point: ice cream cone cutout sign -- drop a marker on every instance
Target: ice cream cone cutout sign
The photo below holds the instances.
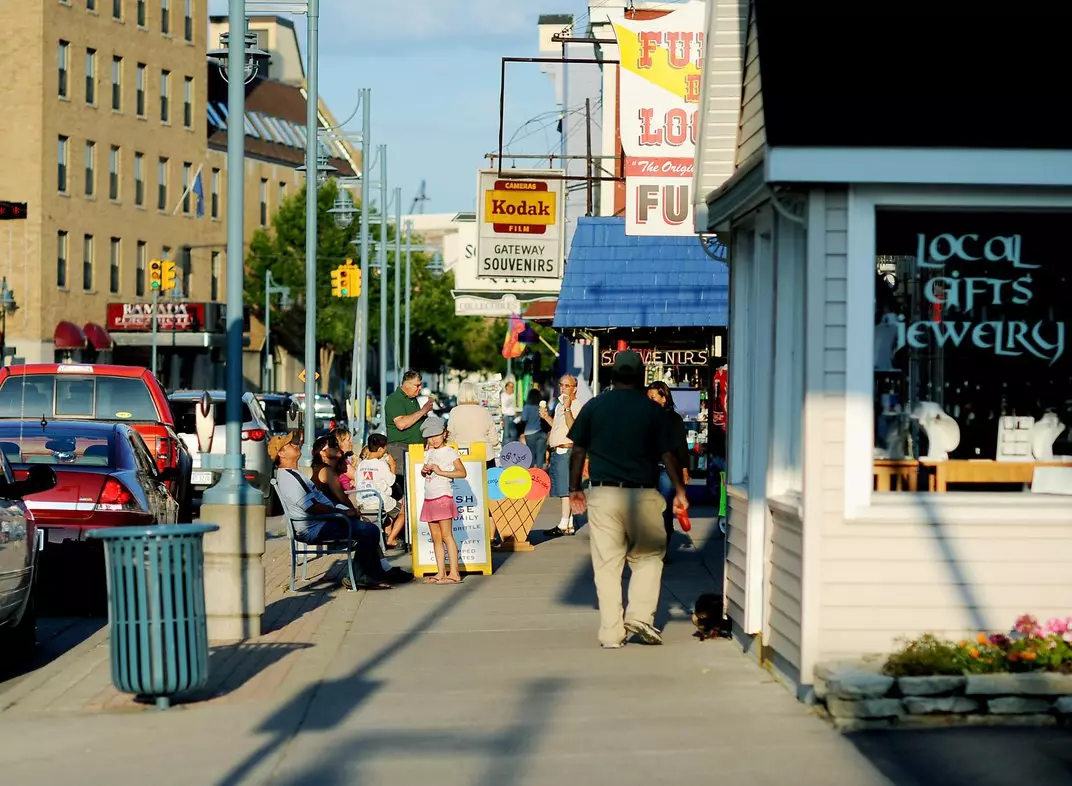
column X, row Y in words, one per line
column 516, row 493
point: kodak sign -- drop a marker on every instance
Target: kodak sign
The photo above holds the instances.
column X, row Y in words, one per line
column 520, row 207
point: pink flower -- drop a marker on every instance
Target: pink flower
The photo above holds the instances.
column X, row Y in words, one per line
column 1027, row 625
column 999, row 640
column 1056, row 626
column 1067, row 636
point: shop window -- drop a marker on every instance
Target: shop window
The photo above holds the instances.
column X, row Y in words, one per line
column 973, row 376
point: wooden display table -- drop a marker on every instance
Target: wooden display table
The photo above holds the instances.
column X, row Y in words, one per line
column 895, row 474
column 981, row 471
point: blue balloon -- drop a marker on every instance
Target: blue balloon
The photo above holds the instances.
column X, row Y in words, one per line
column 494, row 492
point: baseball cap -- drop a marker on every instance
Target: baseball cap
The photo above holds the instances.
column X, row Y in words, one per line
column 627, row 363
column 433, row 426
column 276, row 444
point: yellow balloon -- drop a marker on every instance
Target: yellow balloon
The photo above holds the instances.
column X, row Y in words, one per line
column 515, row 482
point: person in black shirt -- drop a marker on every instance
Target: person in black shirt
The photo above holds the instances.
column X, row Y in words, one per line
column 660, row 393
column 624, row 436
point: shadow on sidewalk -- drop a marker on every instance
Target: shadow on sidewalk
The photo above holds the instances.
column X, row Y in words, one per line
column 232, row 666
column 56, row 636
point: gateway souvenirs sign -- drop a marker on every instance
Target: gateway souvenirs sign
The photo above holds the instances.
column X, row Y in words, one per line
column 659, row 116
column 520, row 230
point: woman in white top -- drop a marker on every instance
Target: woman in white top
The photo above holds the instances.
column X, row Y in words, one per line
column 471, row 422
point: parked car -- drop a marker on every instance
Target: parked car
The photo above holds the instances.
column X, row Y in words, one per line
column 281, row 412
column 327, row 411
column 258, row 469
column 107, row 394
column 20, row 541
column 105, row 476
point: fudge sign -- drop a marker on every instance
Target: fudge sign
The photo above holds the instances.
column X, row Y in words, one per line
column 519, row 225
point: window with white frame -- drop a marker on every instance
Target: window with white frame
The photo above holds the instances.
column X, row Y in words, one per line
column 973, row 376
column 738, row 448
column 114, row 256
column 214, row 200
column 63, row 53
column 91, row 76
column 139, row 179
column 139, row 270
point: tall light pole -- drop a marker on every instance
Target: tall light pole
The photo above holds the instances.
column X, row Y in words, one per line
column 409, row 287
column 397, row 354
column 383, row 275
column 234, row 573
column 312, row 149
column 269, row 360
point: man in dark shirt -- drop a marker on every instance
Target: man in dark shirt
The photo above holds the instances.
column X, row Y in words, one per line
column 403, row 417
column 624, row 436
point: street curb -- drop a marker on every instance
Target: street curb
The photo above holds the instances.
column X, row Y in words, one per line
column 34, row 681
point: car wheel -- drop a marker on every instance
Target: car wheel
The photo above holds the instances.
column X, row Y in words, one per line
column 17, row 643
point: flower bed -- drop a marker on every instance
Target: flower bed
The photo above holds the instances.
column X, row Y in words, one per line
column 1020, row 677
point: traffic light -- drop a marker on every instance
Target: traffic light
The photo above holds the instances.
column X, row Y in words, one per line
column 336, row 282
column 155, row 268
column 355, row 279
column 12, row 211
column 167, row 275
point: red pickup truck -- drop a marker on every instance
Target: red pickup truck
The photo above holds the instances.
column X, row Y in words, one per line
column 104, row 393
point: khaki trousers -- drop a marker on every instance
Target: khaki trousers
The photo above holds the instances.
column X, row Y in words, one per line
column 626, row 524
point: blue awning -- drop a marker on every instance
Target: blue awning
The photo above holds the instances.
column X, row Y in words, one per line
column 616, row 280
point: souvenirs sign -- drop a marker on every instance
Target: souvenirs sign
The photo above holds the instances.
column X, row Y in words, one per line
column 520, row 229
column 471, row 529
column 659, row 115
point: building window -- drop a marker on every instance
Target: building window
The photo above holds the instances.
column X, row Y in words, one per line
column 91, row 76
column 61, row 165
column 139, row 179
column 113, row 173
column 165, row 95
column 91, row 5
column 117, row 9
column 91, row 166
column 165, row 17
column 264, row 203
column 971, row 360
column 87, row 263
column 139, row 269
column 185, row 269
column 114, row 250
column 215, row 294
column 62, row 64
column 140, row 99
column 161, row 179
column 187, row 169
column 141, row 13
column 282, row 194
column 188, row 21
column 215, row 206
column 188, row 102
column 61, row 259
column 117, row 83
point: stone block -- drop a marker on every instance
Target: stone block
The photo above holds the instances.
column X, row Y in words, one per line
column 930, row 686
column 864, row 708
column 849, row 725
column 1063, row 706
column 1038, row 684
column 1017, row 705
column 858, row 684
column 917, row 705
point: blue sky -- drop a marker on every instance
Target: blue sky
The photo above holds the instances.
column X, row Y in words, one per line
column 433, row 66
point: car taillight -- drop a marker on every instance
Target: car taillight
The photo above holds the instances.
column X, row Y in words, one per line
column 115, row 496
column 331, row 425
column 165, row 452
column 254, row 434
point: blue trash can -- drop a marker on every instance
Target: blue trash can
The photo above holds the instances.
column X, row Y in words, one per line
column 156, row 608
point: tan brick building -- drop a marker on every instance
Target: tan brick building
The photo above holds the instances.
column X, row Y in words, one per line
column 103, row 131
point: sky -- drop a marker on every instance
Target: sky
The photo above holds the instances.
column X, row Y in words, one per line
column 434, row 67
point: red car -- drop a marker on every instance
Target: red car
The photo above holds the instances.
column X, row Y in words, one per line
column 105, row 476
column 103, row 393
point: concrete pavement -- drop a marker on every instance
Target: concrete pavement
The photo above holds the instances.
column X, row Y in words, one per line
column 497, row 681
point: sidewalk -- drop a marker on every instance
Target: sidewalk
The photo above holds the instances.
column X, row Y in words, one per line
column 496, row 681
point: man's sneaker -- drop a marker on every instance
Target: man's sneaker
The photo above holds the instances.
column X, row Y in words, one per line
column 617, row 646
column 645, row 632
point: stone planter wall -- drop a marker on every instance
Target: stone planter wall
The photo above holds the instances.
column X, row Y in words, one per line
column 858, row 698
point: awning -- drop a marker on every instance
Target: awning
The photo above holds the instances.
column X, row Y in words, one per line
column 69, row 336
column 97, row 336
column 614, row 280
column 540, row 311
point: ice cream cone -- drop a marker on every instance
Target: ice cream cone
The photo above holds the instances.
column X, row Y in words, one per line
column 514, row 518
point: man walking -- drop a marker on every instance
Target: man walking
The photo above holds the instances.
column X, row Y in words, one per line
column 561, row 447
column 624, row 436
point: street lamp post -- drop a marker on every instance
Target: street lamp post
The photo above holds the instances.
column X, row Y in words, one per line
column 269, row 360
column 312, row 149
column 409, row 279
column 397, row 354
column 383, row 275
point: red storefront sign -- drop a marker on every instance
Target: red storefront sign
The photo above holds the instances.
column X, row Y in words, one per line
column 138, row 317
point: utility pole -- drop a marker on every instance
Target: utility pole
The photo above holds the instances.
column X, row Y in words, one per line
column 397, row 355
column 409, row 287
column 588, row 154
column 312, row 172
column 383, row 275
column 358, row 383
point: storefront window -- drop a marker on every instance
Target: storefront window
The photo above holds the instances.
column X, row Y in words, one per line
column 972, row 369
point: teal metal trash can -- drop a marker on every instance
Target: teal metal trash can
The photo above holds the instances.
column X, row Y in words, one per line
column 156, row 608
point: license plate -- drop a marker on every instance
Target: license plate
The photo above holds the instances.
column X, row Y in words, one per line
column 201, row 478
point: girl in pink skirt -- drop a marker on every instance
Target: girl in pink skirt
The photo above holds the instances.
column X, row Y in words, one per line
column 441, row 464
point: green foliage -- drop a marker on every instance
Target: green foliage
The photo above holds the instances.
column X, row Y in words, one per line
column 924, row 657
column 439, row 338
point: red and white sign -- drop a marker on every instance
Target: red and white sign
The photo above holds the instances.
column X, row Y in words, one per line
column 138, row 317
column 659, row 114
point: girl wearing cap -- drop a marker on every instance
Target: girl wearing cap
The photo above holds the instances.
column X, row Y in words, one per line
column 441, row 464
